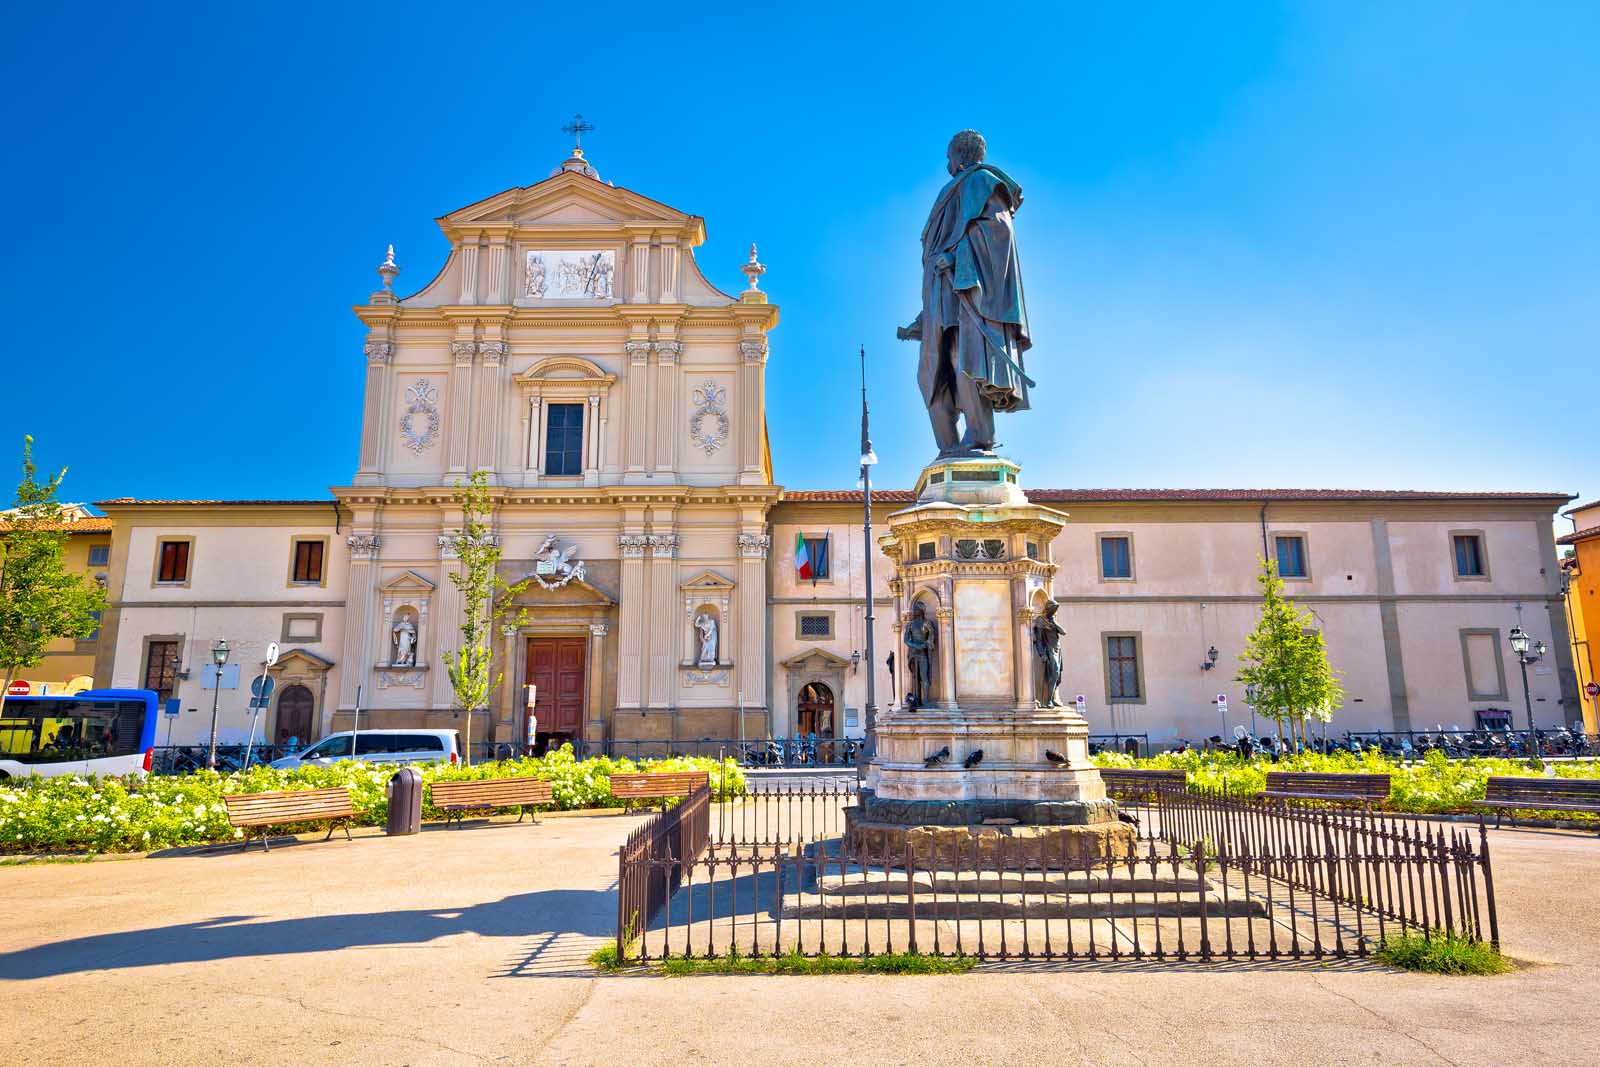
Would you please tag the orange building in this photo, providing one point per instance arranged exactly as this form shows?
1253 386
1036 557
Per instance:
1581 567
68 665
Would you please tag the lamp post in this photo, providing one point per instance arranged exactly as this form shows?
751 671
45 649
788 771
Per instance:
868 459
219 655
1528 651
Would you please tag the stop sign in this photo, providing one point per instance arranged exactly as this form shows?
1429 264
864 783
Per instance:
1592 689
18 688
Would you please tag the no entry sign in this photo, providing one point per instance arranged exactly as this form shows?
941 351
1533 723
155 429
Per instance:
18 688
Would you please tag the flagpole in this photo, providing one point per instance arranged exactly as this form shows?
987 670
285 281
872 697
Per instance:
868 458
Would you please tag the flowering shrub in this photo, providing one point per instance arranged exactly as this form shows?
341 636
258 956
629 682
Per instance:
86 814
1435 785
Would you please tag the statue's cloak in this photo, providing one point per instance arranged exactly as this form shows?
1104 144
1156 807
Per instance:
975 311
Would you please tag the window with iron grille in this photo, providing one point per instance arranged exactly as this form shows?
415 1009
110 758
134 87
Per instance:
161 667
173 563
816 625
308 561
1122 668
563 440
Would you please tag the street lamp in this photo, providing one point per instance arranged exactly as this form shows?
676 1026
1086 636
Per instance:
1528 651
219 655
1250 700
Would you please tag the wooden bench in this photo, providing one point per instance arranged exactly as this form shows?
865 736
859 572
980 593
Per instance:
1540 794
490 793
1310 785
663 787
1128 782
333 806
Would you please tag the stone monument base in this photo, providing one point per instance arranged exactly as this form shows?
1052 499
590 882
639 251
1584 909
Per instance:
987 833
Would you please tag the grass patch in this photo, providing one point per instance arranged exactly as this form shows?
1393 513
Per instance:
606 959
794 963
1442 955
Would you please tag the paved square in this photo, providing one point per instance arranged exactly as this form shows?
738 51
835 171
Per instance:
469 946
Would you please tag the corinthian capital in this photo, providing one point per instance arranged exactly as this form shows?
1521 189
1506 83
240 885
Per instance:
668 351
363 546
663 546
754 349
378 352
463 351
632 545
638 351
754 546
493 352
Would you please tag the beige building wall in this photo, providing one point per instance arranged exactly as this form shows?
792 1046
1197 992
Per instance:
1404 631
240 588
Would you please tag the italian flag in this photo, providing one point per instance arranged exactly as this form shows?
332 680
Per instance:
802 558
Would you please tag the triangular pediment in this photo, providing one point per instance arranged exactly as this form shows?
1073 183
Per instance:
408 582
298 661
707 582
816 658
566 198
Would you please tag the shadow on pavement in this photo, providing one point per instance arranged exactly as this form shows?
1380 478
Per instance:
585 912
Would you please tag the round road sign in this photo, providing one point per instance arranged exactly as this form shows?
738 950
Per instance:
18 688
1592 689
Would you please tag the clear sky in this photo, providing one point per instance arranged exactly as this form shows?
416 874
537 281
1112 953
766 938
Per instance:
1311 245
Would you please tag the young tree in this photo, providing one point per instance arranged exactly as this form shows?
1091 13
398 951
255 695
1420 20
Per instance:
1286 659
485 600
43 600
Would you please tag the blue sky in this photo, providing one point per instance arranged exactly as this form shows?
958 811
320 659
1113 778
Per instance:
1308 245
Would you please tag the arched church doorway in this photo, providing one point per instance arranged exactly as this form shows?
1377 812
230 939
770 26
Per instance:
296 712
814 710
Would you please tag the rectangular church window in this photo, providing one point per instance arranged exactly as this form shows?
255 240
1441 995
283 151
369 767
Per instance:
563 440
1122 668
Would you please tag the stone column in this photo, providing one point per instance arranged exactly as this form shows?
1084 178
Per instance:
1025 667
373 424
487 407
469 270
458 423
638 400
664 634
639 254
668 354
945 684
447 623
632 611
362 602
752 400
595 726
750 607
669 271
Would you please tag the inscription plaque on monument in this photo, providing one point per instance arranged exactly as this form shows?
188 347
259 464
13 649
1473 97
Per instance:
984 666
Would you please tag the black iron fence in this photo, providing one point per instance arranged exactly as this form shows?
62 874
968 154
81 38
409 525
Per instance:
185 759
649 864
1204 878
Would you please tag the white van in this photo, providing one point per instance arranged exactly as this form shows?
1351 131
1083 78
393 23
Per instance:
379 746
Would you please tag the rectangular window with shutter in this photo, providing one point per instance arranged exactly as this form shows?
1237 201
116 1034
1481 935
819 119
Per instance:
308 562
172 562
1116 557
1291 552
1469 555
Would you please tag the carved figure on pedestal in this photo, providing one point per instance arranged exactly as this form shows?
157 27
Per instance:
404 636
1047 649
706 623
921 638
973 326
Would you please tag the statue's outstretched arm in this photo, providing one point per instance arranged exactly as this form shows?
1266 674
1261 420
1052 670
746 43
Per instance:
912 332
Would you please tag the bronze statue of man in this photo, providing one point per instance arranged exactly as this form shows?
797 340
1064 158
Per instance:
973 325
921 638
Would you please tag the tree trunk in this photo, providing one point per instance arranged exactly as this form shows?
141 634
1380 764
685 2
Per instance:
11 672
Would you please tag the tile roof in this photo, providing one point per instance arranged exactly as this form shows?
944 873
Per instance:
87 524
1088 496
1583 507
1582 535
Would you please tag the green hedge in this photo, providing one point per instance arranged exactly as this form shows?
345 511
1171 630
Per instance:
1433 785
135 814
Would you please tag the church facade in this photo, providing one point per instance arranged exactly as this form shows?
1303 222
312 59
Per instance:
571 350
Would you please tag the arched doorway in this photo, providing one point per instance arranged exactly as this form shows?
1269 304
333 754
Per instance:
814 710
296 713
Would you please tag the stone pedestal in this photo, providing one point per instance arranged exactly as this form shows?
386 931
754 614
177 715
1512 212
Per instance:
988 744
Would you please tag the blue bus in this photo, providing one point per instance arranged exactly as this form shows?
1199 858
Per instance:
99 731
